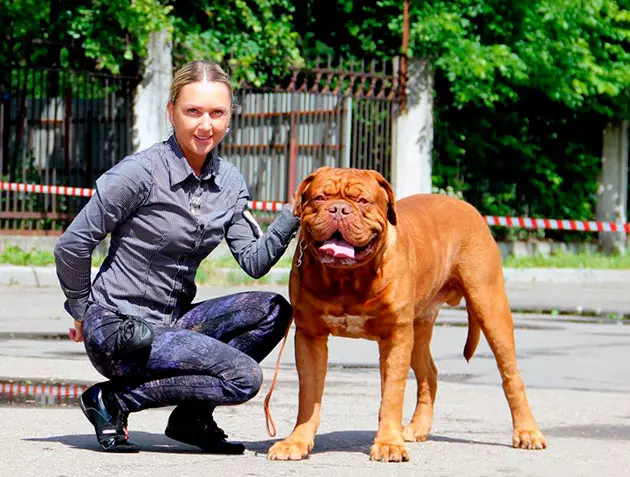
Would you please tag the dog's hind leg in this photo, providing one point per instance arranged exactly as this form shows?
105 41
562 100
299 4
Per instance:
487 305
426 377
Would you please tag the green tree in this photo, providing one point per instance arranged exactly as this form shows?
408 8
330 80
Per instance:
254 38
523 88
575 51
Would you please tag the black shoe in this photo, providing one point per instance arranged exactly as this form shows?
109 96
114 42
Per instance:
200 431
109 421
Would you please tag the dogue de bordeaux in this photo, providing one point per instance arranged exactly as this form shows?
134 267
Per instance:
367 267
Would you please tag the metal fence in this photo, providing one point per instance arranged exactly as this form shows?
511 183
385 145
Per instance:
58 127
339 116
66 128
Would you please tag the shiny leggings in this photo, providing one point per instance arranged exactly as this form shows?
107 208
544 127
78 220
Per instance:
209 357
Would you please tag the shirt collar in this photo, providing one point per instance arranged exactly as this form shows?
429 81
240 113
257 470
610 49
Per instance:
180 170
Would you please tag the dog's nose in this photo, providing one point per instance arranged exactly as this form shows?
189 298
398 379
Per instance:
340 208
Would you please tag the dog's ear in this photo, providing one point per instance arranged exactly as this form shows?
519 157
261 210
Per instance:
391 200
303 187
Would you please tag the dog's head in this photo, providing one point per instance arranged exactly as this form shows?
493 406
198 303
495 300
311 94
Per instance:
345 214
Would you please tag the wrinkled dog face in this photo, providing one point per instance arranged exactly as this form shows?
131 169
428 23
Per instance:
344 213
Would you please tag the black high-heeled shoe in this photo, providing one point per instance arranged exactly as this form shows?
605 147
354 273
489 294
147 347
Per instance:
109 421
195 426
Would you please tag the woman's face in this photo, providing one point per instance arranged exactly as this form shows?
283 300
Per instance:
200 117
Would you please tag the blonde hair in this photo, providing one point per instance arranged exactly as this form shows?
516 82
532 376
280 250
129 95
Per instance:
195 71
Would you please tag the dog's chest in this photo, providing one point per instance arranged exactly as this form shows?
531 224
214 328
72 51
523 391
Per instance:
351 326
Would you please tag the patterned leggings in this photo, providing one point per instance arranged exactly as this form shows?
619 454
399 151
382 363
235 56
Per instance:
208 357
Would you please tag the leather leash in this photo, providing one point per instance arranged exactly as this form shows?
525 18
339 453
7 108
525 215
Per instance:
271 426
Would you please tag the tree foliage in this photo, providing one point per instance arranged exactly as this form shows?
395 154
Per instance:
254 38
112 32
577 52
523 89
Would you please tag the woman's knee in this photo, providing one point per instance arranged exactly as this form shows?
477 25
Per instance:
248 381
279 308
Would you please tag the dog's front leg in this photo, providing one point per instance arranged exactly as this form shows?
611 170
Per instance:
311 356
395 358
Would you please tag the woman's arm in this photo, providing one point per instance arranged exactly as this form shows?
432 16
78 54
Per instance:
119 192
256 253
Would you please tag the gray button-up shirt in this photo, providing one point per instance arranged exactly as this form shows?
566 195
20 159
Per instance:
163 221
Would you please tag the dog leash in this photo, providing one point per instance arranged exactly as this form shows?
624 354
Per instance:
271 426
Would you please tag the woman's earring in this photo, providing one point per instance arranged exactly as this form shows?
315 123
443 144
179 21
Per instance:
228 130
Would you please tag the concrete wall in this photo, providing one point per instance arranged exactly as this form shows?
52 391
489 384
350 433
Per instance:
612 194
413 134
150 121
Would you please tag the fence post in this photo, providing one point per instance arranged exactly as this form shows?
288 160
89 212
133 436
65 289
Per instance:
612 193
346 128
413 133
149 111
293 147
3 141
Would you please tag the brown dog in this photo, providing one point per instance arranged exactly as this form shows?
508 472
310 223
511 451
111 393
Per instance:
365 268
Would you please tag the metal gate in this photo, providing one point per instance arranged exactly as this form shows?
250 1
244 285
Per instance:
58 127
327 116
61 127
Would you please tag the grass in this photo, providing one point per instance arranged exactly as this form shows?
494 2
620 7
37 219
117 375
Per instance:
220 270
227 261
569 260
14 255
213 270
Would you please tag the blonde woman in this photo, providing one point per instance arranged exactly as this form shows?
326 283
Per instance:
166 209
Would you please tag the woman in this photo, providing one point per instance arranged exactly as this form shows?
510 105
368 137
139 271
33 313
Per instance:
166 209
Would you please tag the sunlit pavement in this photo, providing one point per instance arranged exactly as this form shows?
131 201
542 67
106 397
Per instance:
577 377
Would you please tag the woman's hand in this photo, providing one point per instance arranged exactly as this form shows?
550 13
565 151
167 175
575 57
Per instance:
76 333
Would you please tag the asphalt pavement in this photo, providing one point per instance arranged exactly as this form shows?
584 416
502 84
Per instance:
573 350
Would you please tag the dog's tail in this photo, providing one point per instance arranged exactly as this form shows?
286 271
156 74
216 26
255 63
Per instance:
472 340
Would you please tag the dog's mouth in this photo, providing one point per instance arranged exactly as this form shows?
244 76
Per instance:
336 249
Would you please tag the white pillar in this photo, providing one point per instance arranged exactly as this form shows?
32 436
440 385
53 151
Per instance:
612 193
150 121
413 134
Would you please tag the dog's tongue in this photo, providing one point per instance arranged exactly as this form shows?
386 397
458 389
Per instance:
337 248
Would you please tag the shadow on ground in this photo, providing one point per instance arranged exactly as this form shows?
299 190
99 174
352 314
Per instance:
357 441
148 442
609 432
339 441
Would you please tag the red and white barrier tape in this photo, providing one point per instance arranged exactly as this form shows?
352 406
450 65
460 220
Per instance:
267 206
557 224
47 189
59 391
261 205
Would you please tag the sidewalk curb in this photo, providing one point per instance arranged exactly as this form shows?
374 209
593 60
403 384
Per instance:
566 275
47 276
38 277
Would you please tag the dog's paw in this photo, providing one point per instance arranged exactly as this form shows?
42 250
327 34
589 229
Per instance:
289 450
529 439
416 432
384 452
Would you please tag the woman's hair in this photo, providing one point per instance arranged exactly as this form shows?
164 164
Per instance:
195 71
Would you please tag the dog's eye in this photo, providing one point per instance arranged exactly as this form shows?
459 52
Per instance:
319 198
363 201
